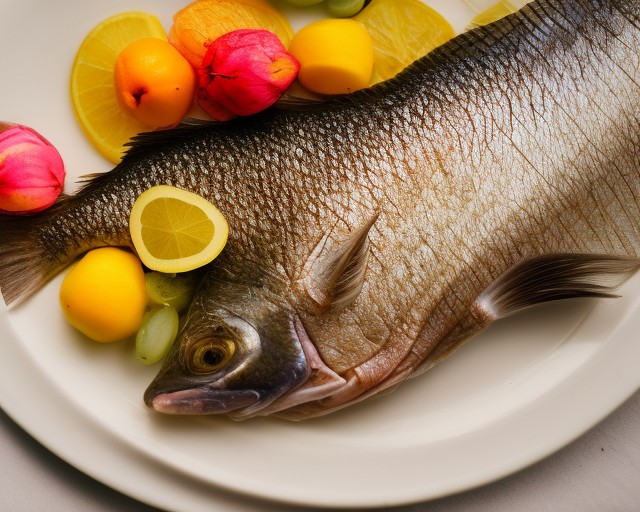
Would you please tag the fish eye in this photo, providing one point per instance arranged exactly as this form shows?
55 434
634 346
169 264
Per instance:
211 355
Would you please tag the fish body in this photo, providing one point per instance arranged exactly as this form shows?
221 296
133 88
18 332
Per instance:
372 234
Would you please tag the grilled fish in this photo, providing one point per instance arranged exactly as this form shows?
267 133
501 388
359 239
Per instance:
372 234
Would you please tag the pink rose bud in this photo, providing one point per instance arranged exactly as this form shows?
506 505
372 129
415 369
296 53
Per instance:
244 72
31 171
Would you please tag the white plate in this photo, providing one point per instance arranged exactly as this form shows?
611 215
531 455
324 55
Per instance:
520 391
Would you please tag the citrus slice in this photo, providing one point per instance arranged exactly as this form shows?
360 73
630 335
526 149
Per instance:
494 13
106 125
402 32
204 21
176 231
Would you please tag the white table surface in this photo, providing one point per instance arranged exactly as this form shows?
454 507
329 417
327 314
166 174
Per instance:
598 472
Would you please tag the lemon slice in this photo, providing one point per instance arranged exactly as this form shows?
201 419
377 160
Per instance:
494 13
402 32
176 231
106 125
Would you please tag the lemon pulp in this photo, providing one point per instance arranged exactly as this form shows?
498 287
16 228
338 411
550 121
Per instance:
402 32
93 96
494 13
174 230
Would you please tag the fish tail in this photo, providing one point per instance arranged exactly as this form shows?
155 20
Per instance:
26 264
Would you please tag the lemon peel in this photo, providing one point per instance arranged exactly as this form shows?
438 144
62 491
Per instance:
107 126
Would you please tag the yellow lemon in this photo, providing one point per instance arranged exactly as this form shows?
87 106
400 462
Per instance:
104 295
105 123
335 56
402 32
176 231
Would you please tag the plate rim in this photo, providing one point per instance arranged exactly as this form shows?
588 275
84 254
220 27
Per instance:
604 363
44 404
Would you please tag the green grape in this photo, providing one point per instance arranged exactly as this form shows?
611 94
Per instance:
304 3
173 289
156 334
344 8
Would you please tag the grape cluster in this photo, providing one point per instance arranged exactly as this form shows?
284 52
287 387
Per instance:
337 8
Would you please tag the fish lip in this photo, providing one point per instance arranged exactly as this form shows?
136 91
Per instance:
204 400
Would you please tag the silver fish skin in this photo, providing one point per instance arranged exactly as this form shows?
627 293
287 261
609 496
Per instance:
373 234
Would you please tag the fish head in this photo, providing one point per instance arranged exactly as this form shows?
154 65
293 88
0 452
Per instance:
238 351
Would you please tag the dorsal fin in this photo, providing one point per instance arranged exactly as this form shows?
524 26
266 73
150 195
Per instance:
336 278
146 142
552 277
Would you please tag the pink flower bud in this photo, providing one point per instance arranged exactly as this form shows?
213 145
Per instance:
244 72
31 171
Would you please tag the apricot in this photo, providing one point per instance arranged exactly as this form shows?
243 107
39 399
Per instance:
154 82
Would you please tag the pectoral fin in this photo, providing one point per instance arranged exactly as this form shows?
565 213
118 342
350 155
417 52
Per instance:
552 277
336 274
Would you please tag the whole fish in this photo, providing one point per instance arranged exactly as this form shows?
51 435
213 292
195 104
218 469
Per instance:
372 234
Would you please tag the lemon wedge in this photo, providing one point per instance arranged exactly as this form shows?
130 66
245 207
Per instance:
174 230
95 104
402 32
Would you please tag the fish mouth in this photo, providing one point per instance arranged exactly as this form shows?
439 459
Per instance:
204 401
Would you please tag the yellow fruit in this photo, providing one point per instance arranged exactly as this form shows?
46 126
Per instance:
203 21
494 13
402 32
176 231
104 295
335 56
106 125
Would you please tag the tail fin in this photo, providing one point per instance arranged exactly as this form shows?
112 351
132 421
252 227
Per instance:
25 263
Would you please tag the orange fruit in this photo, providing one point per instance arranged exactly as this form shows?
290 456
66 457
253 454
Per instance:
154 82
203 21
105 123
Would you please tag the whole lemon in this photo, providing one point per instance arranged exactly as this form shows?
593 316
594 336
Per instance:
104 295
335 56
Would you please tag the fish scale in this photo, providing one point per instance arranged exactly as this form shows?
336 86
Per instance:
372 234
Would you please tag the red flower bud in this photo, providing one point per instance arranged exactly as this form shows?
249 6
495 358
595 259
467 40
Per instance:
244 72
31 171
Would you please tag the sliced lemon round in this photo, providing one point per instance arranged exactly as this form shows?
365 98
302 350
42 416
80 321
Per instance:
95 104
402 31
497 11
174 230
